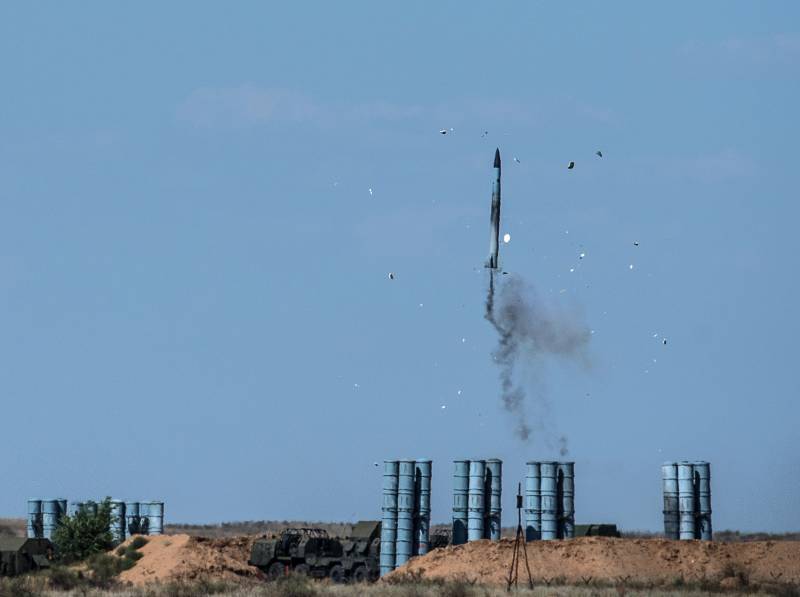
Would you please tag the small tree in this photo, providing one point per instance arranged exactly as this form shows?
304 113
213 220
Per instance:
85 533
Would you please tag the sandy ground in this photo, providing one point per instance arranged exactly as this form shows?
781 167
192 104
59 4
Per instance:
615 560
579 561
183 558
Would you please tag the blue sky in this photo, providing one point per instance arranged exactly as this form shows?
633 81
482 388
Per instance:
194 273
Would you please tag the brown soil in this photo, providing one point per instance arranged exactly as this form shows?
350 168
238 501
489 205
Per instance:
169 558
606 559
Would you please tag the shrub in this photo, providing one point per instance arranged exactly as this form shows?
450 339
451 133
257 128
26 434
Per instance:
105 569
84 534
62 578
138 542
294 585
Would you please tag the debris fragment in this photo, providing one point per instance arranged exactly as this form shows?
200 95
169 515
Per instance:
443 131
664 341
370 191
571 166
630 266
444 406
506 238
516 159
582 255
598 153
375 464
571 270
636 243
484 134
391 275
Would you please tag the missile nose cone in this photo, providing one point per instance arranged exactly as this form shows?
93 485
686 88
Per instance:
497 158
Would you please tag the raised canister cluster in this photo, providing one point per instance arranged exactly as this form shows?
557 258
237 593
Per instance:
549 500
406 511
127 518
687 500
477 495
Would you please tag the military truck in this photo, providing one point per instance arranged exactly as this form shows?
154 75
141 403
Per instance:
20 554
314 553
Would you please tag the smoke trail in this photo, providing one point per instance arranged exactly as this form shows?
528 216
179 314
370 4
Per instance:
528 331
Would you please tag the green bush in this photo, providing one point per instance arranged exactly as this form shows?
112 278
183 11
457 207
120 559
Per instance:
138 542
105 569
132 554
62 578
84 534
294 585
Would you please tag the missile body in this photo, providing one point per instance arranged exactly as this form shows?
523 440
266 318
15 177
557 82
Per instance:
494 218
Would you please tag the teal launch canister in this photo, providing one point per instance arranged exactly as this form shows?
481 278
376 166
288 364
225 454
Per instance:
33 526
154 511
74 507
686 500
533 502
117 521
549 495
460 500
669 484
51 515
423 506
476 508
405 511
389 521
702 475
132 519
566 475
494 484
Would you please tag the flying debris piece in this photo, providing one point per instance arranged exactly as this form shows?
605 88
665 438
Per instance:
572 269
571 166
444 406
516 159
630 266
505 273
494 216
375 464
636 243
598 153
582 255
484 134
443 131
420 304
370 191
459 392
506 238
664 342
463 340
391 275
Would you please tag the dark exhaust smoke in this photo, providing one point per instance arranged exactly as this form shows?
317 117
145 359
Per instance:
528 332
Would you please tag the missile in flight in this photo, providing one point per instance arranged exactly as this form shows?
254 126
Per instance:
494 218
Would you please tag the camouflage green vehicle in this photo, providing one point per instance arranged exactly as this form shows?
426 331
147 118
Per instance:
19 555
314 553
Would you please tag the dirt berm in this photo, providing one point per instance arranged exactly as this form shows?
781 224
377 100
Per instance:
168 558
606 559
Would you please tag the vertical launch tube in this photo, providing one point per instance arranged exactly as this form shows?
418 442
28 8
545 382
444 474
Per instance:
391 471
460 500
477 500
494 218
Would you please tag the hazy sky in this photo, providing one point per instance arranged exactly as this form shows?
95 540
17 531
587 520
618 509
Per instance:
194 273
